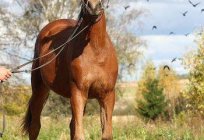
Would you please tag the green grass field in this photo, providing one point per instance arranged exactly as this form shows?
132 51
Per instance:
126 125
125 128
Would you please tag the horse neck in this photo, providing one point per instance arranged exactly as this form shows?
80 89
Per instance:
97 32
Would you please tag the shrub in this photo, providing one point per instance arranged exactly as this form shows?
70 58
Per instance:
14 99
154 103
194 93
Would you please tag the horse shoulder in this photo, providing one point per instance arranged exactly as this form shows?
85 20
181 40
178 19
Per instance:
50 30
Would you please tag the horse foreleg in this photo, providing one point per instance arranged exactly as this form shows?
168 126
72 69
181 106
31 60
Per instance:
78 101
107 106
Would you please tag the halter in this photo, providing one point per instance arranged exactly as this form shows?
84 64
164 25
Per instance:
85 8
85 5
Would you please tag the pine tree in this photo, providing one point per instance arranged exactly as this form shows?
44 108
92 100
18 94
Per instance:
154 103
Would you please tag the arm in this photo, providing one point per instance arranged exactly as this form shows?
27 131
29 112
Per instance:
4 74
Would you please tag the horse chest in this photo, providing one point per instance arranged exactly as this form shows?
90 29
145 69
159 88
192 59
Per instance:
95 78
95 70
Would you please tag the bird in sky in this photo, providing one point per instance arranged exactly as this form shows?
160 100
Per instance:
173 60
171 33
126 7
202 10
154 27
166 67
194 5
187 34
184 14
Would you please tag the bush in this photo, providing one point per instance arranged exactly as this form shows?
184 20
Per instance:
58 106
154 103
14 99
194 93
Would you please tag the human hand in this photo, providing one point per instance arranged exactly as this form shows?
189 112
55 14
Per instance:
5 74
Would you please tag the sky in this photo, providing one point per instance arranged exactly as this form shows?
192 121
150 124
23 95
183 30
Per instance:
167 16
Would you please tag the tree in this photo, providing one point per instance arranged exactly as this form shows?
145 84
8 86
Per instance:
128 45
194 62
149 73
169 81
154 103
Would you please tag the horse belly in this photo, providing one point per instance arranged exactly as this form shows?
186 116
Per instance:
56 78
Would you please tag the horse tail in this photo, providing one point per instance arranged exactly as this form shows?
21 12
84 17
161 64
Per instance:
27 120
28 117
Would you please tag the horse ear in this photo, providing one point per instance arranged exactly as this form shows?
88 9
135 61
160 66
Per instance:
105 2
80 2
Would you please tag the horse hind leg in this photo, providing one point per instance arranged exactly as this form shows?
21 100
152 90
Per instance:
31 124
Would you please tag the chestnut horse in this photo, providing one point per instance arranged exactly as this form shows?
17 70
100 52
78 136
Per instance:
86 69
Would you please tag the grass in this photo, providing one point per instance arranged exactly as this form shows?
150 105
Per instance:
125 128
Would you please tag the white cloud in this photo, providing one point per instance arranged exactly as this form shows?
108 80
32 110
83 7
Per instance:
162 49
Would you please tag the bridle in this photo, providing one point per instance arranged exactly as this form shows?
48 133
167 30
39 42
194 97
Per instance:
85 5
86 10
74 34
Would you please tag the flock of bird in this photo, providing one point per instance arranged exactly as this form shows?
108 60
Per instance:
184 14
154 27
171 33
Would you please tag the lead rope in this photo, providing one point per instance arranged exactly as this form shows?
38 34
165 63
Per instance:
73 36
3 114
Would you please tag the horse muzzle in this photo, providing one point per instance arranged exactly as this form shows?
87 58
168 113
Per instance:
94 9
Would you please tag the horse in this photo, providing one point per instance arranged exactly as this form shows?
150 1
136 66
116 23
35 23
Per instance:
87 68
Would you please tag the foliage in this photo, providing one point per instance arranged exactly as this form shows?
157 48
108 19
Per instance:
56 106
169 81
149 73
154 103
194 94
14 100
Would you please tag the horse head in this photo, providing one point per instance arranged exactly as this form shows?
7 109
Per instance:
92 7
